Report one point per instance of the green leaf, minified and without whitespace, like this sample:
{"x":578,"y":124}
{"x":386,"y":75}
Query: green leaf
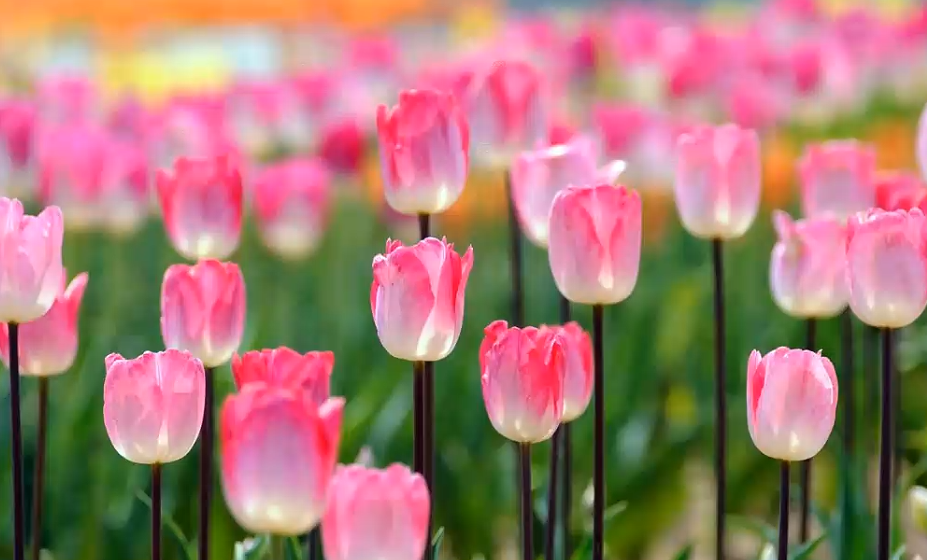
{"x":804,"y":551}
{"x":436,"y":542}
{"x":899,"y":553}
{"x":172,"y":527}
{"x":294,"y":551}
{"x":759,"y":528}
{"x":685,"y":553}
{"x":252,"y":549}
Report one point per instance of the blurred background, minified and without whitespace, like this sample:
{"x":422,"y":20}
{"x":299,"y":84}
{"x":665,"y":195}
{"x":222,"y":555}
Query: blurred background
{"x":114,"y":90}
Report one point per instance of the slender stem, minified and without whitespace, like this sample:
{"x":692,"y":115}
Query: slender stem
{"x":518,"y":311}
{"x":552,"y":489}
{"x":424,"y":226}
{"x":156,"y":512}
{"x":598,"y":469}
{"x":783,"y":547}
{"x":567,"y":487}
{"x":720,"y":398}
{"x":277,"y":547}
{"x":886,"y":449}
{"x":897,"y":416}
{"x":207,"y":437}
{"x":428,"y":405}
{"x":847,"y":387}
{"x":871,"y":370}
{"x":313,"y":544}
{"x":565,"y":314}
{"x":39,"y":484}
{"x":527,"y":514}
{"x":17,"y":445}
{"x":418,"y":417}
{"x":804,"y":468}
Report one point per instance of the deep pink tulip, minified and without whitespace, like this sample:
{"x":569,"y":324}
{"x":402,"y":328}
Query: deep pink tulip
{"x":376,"y":513}
{"x":424,"y":151}
{"x":537,"y":177}
{"x":279,"y":449}
{"x":202,"y":204}
{"x":203,"y":310}
{"x":153,"y":405}
{"x":887,"y":266}
{"x":341,"y":146}
{"x":837,"y":179}
{"x":578,"y":370}
{"x":292,"y":201}
{"x":791,"y":402}
{"x":17,"y":151}
{"x":417,"y":298}
{"x":522,"y":373}
{"x":807,"y":272}
{"x":31,"y":273}
{"x":310,"y":372}
{"x":595,"y":243}
{"x":48,"y":345}
{"x":900,"y":190}
{"x":718,"y":180}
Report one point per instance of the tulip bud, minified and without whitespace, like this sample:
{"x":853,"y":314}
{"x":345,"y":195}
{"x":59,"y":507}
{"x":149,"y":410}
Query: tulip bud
{"x":578,"y":367}
{"x":310,"y":372}
{"x":837,"y":179}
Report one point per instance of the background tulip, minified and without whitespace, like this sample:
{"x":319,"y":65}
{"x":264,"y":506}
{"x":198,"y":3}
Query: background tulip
{"x":837,"y":179}
{"x":17,"y":138}
{"x":577,"y":378}
{"x":791,"y":402}
{"x":310,"y":372}
{"x":153,"y":405}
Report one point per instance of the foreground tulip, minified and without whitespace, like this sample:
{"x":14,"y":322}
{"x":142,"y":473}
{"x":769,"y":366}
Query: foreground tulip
{"x":578,"y":366}
{"x":718,"y":180}
{"x":807,"y":271}
{"x":201,"y":201}
{"x":417,"y":298}
{"x":424,"y":151}
{"x":310,"y":372}
{"x":375,"y":513}
{"x":837,"y":179}
{"x":278,"y":453}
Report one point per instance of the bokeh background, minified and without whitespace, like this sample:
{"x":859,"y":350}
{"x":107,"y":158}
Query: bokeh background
{"x":106,"y":62}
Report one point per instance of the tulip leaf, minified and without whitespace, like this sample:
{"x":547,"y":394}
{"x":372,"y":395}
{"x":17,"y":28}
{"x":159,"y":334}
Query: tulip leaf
{"x":255,"y":548}
{"x":172,"y":526}
{"x":899,"y":554}
{"x":763,"y":530}
{"x":436,"y":542}
{"x":685,"y":553}
{"x":294,"y":551}
{"x":804,"y":551}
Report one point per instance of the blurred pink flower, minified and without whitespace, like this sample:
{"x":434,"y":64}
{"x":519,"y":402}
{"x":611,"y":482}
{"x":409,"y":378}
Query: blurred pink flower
{"x":837,"y":179}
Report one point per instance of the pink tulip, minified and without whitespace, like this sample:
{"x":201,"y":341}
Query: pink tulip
{"x":837,"y":179}
{"x":310,"y":372}
{"x":645,"y":140}
{"x":278,"y":452}
{"x":718,"y":180}
{"x":202,"y":205}
{"x":922,"y":143}
{"x":48,"y":345}
{"x":341,"y":146}
{"x":791,"y":402}
{"x":578,"y":370}
{"x":203,"y":310}
{"x":887,"y":266}
{"x":17,"y":136}
{"x":900,"y":190}
{"x":124,"y":183}
{"x":595,"y":243}
{"x":506,"y":112}
{"x":31,"y":273}
{"x":153,"y":405}
{"x":292,"y":202}
{"x":522,"y":373}
{"x":263,"y":114}
{"x":67,"y":99}
{"x":537,"y":177}
{"x":417,"y":298}
{"x":807,"y":272}
{"x":374,"y":513}
{"x":424,"y":151}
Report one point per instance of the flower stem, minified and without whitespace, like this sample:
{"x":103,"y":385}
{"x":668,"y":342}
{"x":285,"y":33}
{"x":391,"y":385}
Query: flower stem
{"x":847,"y":387}
{"x":886,"y":449}
{"x":39,"y":484}
{"x":156,"y":511}
{"x":277,"y":547}
{"x":783,"y":548}
{"x":17,"y":444}
{"x":527,"y":514}
{"x":428,"y":411}
{"x":804,"y":468}
{"x":549,"y":537}
{"x":567,"y":487}
{"x":418,"y":398}
{"x":206,"y":469}
{"x":598,"y":468}
{"x":313,"y":544}
{"x":717,"y":254}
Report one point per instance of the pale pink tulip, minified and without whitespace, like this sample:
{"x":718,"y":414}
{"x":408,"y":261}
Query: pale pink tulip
{"x":595,"y":243}
{"x":18,"y":124}
{"x":153,"y":405}
{"x":203,"y":310}
{"x":837,"y":179}
{"x":578,"y":370}
{"x":417,"y":298}
{"x":374,"y":513}
{"x":310,"y":372}
{"x":791,"y":402}
{"x":522,"y":374}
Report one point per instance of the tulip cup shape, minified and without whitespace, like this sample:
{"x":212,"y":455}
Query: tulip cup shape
{"x":807,"y":272}
{"x":578,"y":367}
{"x":417,"y":298}
{"x":374,"y":513}
{"x":595,"y":243}
{"x":791,"y":402}
{"x":201,"y":201}
{"x":48,"y":345}
{"x":887,"y":266}
{"x":522,"y":373}
{"x":153,"y":405}
{"x":203,"y":310}
{"x":310,"y":372}
{"x":278,"y":453}
{"x":424,"y":151}
{"x":837,"y":179}
{"x":718,"y":180}
{"x":537,"y":177}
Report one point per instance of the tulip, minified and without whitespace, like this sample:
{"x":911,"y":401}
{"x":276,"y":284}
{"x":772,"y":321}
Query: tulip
{"x":807,"y":271}
{"x":640,"y":137}
{"x":417,"y":298}
{"x":887,"y":266}
{"x":341,"y":146}
{"x":278,"y":453}
{"x":837,"y":179}
{"x":578,"y":367}
{"x":292,"y":204}
{"x":203,"y":310}
{"x":900,"y":191}
{"x":718,"y":180}
{"x":424,"y":151}
{"x":595,"y":243}
{"x":791,"y":402}
{"x":374,"y":513}
{"x":538,"y":176}
{"x":17,"y":134}
{"x":202,"y":206}
{"x":153,"y":405}
{"x":522,"y":374}
{"x":310,"y":372}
